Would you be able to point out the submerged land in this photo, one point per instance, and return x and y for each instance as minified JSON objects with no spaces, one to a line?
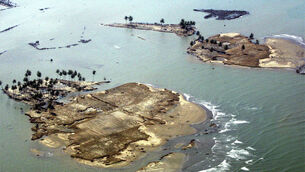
{"x":223,"y":14}
{"x":236,"y":49}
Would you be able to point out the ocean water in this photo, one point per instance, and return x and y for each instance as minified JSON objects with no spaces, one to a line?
{"x":260,"y":111}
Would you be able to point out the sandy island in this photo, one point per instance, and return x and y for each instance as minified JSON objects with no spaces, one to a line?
{"x":188,"y":30}
{"x":115,"y":127}
{"x":236,"y":49}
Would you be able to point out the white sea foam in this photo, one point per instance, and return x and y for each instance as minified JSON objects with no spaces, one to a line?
{"x":238,"y":142}
{"x":225,"y":144}
{"x":116,"y":46}
{"x":187,"y":96}
{"x":251,"y":108}
{"x":245,"y":169}
{"x":238,"y":154}
{"x":223,"y":166}
{"x":240,"y":122}
{"x":224,"y":130}
{"x":249,"y":161}
{"x":250,"y":148}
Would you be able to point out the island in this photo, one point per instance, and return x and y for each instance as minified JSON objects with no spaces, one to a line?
{"x":184,"y":28}
{"x":8,"y":3}
{"x":223,"y":14}
{"x":236,"y":49}
{"x":109,"y":128}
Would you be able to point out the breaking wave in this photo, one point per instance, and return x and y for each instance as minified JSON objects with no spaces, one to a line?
{"x":227,"y":147}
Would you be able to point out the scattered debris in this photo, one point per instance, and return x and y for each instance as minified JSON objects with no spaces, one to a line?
{"x":10,"y":28}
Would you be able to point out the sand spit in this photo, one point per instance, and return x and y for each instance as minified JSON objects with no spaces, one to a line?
{"x":170,"y":163}
{"x":283,"y":53}
{"x":168,"y":28}
{"x":115,"y":127}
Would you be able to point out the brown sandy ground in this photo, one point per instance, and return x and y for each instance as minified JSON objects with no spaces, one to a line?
{"x":227,"y":49}
{"x":170,"y":163}
{"x":236,"y":49}
{"x":115,"y":127}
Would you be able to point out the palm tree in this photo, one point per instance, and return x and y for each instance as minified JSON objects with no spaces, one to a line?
{"x":226,"y":47}
{"x":57,"y":71}
{"x":64,"y":73}
{"x":93,"y":72}
{"x":182,"y":22}
{"x":70,"y":72}
{"x":162,"y":21}
{"x":28,"y":73}
{"x":72,"y":76}
{"x":38,"y":74}
{"x":251,"y":36}
{"x":14,"y":87}
{"x":130,"y":18}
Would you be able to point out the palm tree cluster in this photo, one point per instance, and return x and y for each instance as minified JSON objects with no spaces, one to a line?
{"x":129,"y":18}
{"x":43,"y":89}
{"x":70,"y":73}
{"x":35,"y":87}
{"x":186,"y":24}
{"x":211,"y":41}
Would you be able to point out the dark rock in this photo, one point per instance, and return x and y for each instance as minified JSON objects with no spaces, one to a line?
{"x":84,"y":41}
{"x":301,"y":70}
{"x":7,"y":3}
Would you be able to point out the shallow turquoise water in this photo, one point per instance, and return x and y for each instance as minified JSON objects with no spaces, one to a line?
{"x":261,"y":112}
